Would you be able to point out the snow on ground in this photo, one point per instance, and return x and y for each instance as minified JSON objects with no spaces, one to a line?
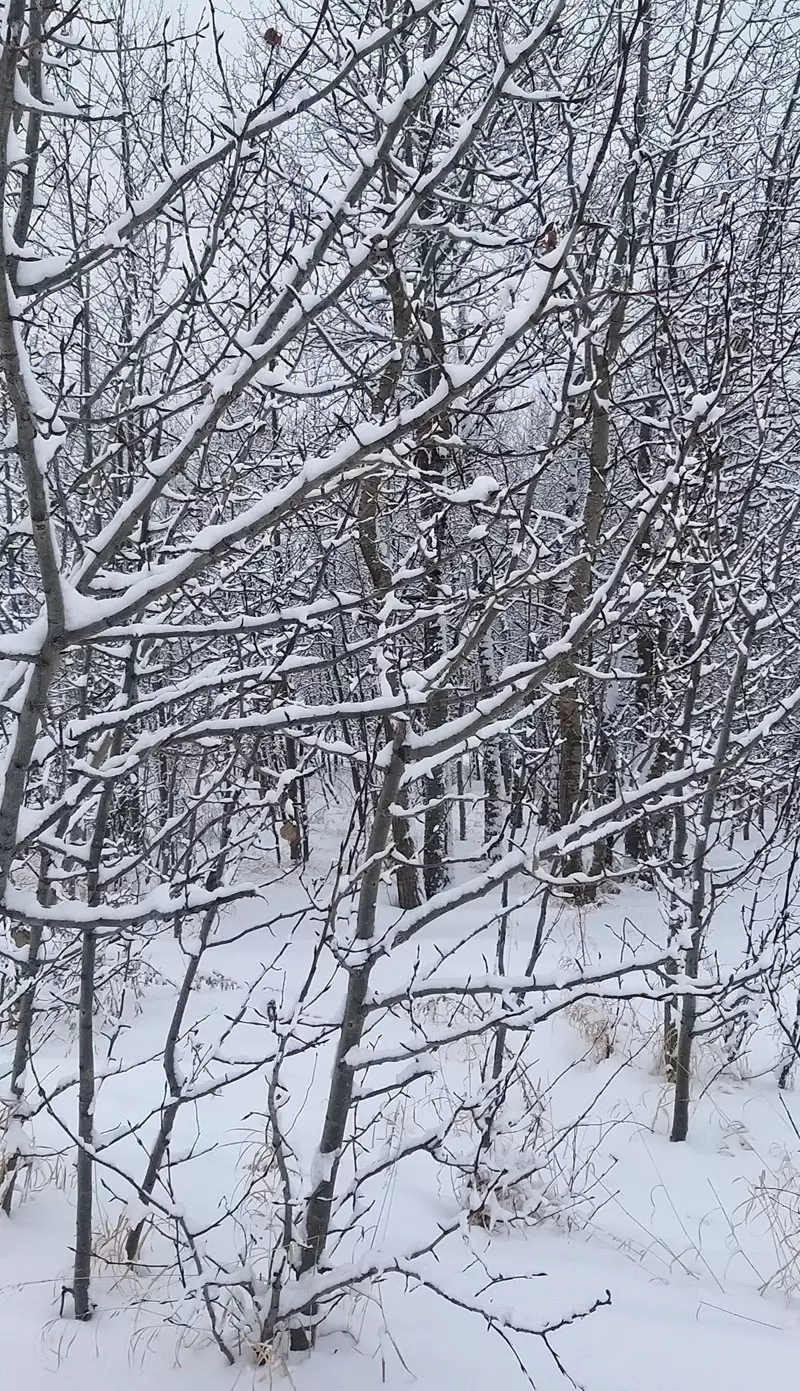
{"x":698,"y":1245}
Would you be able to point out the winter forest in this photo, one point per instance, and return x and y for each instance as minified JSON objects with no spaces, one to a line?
{"x":400,"y":694}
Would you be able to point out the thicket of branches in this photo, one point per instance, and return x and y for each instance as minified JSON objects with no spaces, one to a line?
{"x":401,"y":418}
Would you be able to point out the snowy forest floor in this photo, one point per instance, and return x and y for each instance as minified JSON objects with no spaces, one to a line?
{"x":698,"y":1244}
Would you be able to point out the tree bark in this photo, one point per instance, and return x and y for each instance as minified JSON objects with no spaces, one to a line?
{"x":82,"y":1272}
{"x":340,"y":1092}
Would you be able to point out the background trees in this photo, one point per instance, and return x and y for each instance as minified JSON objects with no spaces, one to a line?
{"x":398,"y":420}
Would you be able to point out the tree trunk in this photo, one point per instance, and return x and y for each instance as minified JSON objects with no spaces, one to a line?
{"x":340,"y":1092}
{"x":493,"y":818}
{"x":22,"y":1041}
{"x":81,"y":1280}
{"x":406,"y":877}
{"x":680,"y":1115}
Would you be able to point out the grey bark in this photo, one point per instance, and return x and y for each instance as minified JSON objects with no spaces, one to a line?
{"x":354,"y":1015}
{"x":680,"y":1114}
